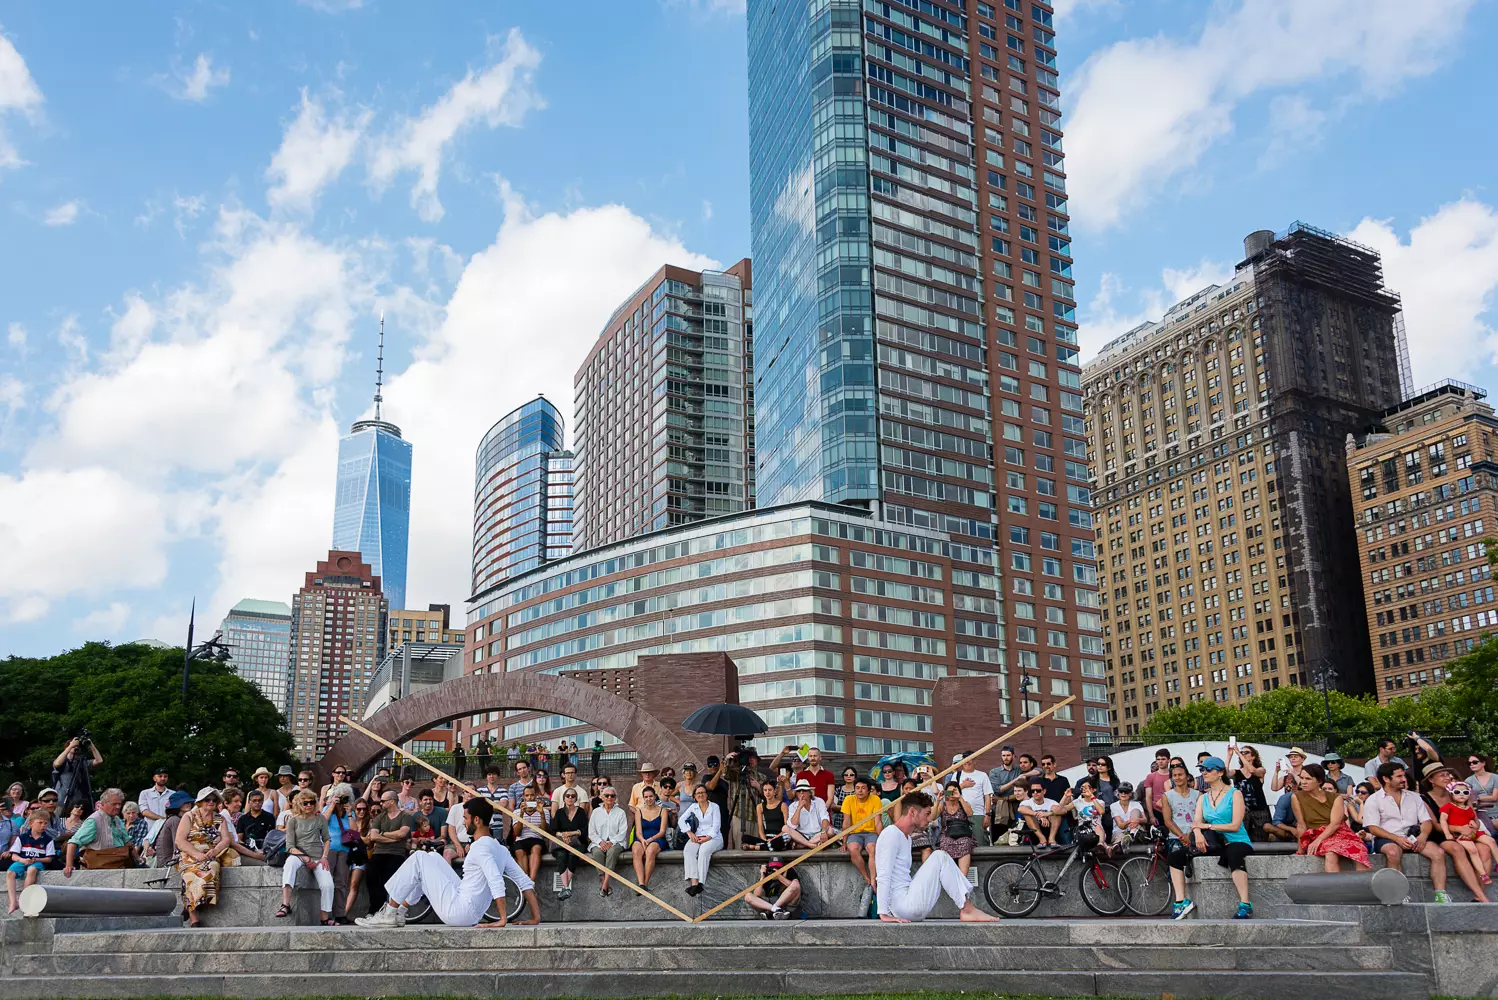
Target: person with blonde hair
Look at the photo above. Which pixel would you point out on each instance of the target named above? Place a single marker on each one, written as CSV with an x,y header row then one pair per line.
x,y
307,847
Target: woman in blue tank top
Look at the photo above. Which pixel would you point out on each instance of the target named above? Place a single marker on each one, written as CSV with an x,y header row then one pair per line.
x,y
650,835
1216,832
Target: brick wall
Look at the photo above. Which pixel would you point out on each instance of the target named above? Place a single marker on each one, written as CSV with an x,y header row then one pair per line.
x,y
965,716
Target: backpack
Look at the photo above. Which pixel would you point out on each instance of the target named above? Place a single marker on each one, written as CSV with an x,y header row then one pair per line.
x,y
274,848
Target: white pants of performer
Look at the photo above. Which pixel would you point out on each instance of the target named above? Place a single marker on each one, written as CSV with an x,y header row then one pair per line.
x,y
695,857
324,878
425,873
937,874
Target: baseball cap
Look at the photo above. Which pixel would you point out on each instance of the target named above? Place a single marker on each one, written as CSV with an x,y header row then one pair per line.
x,y
159,770
1212,764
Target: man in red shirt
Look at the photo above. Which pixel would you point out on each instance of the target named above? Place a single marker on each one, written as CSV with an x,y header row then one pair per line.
x,y
820,778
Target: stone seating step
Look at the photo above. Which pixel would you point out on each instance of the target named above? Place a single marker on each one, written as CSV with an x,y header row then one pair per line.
x,y
674,934
714,958
1241,985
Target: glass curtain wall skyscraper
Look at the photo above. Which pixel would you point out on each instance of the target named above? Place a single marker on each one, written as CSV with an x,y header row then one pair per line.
x,y
522,496
916,348
372,512
258,634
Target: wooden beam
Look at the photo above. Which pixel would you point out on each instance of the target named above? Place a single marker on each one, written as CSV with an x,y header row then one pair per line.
x,y
473,792
934,780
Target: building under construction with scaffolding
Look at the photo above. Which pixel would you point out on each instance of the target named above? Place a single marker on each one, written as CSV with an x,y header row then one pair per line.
x,y
1217,435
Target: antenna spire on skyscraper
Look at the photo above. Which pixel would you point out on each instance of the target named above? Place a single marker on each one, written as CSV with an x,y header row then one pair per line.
x,y
380,367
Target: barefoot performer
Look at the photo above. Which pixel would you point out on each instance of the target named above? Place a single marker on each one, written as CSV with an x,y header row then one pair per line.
x,y
903,899
459,902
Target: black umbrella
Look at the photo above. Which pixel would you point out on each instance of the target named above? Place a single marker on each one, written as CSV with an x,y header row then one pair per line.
x,y
725,720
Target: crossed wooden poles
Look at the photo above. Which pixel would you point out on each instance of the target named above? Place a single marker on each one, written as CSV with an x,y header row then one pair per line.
x,y
930,782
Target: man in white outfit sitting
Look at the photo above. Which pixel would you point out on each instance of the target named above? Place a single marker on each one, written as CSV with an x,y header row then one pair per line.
x,y
460,902
903,899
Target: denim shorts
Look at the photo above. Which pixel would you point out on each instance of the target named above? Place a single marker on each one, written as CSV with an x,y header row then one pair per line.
x,y
863,839
20,867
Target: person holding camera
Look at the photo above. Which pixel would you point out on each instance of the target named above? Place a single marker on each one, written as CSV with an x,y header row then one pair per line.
x,y
1216,831
787,889
719,785
71,772
535,816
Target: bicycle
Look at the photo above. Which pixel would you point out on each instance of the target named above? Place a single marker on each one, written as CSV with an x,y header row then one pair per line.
x,y
1015,889
1148,878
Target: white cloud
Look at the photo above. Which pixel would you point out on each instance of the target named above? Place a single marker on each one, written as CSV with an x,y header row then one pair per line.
x,y
1068,9
18,92
107,620
15,336
1116,309
63,215
519,322
313,152
70,336
707,210
12,394
80,531
195,84
1447,274
500,95
1294,126
1124,149
332,6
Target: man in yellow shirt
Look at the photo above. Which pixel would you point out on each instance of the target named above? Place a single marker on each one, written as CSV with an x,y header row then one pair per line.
x,y
861,815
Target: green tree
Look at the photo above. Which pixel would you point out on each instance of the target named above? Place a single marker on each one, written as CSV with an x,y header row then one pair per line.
x,y
1472,686
1299,713
130,699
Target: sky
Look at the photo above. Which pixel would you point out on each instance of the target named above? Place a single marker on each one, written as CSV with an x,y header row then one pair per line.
x,y
204,209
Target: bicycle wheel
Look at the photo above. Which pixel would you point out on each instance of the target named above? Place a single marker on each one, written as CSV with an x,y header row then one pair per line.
x,y
1012,889
514,903
1148,879
1103,888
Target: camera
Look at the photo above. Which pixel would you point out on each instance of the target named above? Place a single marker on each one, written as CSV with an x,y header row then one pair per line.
x,y
84,737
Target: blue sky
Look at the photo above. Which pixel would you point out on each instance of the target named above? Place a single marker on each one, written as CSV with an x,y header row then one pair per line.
x,y
205,207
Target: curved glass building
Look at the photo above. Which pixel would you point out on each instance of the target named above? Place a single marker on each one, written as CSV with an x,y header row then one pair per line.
x,y
522,494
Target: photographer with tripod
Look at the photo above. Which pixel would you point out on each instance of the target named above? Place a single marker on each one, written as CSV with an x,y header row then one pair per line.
x,y
71,773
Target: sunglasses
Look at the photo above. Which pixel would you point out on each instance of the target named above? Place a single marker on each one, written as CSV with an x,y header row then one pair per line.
x,y
339,770
50,802
301,781
609,795
1473,762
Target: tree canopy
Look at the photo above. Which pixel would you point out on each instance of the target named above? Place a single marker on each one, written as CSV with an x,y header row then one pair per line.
x,y
1467,704
130,699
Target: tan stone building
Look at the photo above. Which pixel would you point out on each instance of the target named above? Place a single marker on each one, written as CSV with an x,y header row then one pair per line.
x,y
1426,495
1217,435
434,625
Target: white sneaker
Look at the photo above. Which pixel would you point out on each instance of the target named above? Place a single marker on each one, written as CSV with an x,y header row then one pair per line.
x,y
388,916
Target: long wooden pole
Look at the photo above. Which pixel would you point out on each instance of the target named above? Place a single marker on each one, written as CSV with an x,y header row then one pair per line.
x,y
935,779
473,792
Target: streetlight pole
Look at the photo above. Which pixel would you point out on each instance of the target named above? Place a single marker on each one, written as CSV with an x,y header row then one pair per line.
x,y
1325,674
211,649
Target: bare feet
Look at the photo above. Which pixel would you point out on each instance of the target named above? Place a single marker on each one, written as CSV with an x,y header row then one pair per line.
x,y
972,914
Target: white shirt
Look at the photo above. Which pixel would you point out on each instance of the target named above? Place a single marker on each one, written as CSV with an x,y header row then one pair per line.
x,y
710,823
892,851
153,801
484,872
1043,808
1382,811
1120,817
607,824
809,819
459,823
974,796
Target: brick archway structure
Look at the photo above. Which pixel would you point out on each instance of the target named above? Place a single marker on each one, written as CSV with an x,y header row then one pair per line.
x,y
476,693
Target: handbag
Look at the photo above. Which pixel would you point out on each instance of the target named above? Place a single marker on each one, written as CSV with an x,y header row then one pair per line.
x,y
106,858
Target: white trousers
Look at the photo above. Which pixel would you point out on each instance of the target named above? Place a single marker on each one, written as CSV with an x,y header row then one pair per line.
x,y
324,878
425,873
695,857
937,874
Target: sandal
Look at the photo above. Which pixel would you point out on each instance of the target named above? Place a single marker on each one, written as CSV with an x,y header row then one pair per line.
x,y
283,911
330,922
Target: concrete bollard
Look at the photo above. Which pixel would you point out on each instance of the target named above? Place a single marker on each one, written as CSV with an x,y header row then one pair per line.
x,y
77,901
1384,887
